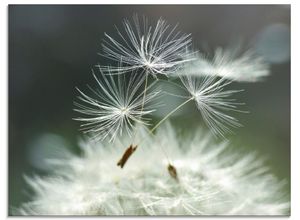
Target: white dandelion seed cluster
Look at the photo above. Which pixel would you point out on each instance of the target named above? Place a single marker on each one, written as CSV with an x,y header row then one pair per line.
x,y
167,175
230,63
115,107
211,100
156,49
212,180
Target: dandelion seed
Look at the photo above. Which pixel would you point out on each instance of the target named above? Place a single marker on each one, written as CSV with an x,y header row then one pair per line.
x,y
172,171
115,105
158,49
129,151
213,181
230,63
212,100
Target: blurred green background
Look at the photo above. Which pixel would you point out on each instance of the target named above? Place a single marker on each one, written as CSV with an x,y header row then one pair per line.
x,y
52,49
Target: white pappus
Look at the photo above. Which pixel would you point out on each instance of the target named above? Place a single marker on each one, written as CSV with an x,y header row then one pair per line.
x,y
213,101
157,49
211,180
115,105
232,63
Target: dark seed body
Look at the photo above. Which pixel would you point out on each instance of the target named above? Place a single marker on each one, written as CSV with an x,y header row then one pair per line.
x,y
129,151
172,171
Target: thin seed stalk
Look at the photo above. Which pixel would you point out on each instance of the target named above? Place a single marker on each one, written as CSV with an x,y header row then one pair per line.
x,y
169,114
143,102
145,91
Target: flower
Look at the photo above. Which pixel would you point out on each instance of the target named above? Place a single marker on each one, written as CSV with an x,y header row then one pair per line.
x,y
155,49
211,180
230,63
115,105
211,100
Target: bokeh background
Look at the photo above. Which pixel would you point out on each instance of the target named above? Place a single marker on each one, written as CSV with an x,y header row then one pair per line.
x,y
52,49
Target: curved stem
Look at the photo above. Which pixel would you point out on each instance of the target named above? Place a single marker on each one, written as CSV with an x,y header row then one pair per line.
x,y
143,102
169,114
145,90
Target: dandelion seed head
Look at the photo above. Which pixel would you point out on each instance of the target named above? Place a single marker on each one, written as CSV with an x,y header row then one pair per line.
x,y
231,63
212,180
157,49
213,101
116,104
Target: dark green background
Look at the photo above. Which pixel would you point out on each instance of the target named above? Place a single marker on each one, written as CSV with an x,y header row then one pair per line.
x,y
52,48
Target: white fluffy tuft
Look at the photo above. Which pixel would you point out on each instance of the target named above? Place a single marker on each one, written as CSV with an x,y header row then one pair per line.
x,y
157,49
212,181
230,63
213,102
115,105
